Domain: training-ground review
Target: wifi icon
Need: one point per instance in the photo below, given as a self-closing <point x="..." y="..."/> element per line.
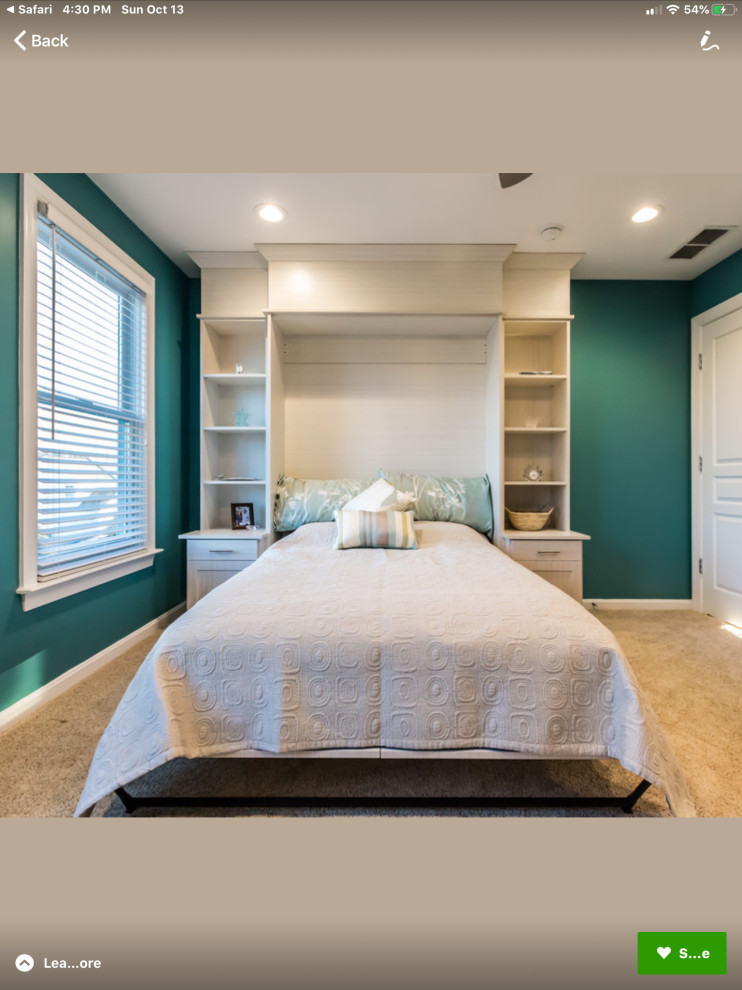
<point x="673" y="8"/>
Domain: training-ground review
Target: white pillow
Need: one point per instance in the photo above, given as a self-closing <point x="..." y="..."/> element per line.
<point x="380" y="497"/>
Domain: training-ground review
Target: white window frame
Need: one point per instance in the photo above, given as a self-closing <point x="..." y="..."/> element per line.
<point x="34" y="592"/>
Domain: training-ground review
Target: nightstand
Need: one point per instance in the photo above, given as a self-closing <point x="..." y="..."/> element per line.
<point x="555" y="555"/>
<point x="216" y="554"/>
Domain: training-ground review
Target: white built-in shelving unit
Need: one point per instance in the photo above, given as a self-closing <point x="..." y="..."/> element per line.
<point x="234" y="423"/>
<point x="535" y="435"/>
<point x="536" y="416"/>
<point x="234" y="399"/>
<point x="334" y="360"/>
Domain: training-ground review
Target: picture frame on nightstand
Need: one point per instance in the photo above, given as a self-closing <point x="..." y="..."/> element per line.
<point x="243" y="515"/>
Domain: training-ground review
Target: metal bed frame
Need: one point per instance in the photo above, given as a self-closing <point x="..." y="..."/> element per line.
<point x="625" y="803"/>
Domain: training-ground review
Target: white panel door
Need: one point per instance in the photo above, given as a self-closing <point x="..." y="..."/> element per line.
<point x="721" y="581"/>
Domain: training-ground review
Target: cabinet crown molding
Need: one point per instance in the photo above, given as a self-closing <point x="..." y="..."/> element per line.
<point x="541" y="261"/>
<point x="464" y="253"/>
<point x="228" y="259"/>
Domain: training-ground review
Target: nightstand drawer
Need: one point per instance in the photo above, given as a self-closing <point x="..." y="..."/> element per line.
<point x="223" y="549"/>
<point x="546" y="549"/>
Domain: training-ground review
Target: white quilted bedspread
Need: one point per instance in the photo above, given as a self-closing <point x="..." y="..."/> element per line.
<point x="451" y="646"/>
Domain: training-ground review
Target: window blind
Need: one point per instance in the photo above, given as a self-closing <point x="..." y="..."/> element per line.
<point x="91" y="407"/>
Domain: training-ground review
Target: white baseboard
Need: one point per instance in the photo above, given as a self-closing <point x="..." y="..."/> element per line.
<point x="659" y="604"/>
<point x="48" y="692"/>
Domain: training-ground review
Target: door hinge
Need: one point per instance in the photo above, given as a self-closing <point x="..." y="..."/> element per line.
<point x="700" y="362"/>
<point x="700" y="565"/>
<point x="700" y="463"/>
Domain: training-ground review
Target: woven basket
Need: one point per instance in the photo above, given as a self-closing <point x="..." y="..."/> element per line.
<point x="529" y="520"/>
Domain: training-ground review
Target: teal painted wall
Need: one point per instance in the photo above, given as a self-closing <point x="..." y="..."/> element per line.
<point x="39" y="645"/>
<point x="630" y="438"/>
<point x="717" y="284"/>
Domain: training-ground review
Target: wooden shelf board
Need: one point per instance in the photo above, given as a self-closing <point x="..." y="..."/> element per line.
<point x="234" y="429"/>
<point x="224" y="534"/>
<point x="234" y="379"/>
<point x="543" y="534"/>
<point x="526" y="380"/>
<point x="236" y="481"/>
<point x="535" y="429"/>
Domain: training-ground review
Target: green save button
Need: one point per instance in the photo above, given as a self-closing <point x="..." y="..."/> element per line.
<point x="682" y="952"/>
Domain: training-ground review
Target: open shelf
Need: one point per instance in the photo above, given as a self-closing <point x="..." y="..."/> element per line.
<point x="537" y="497"/>
<point x="217" y="499"/>
<point x="231" y="326"/>
<point x="536" y="346"/>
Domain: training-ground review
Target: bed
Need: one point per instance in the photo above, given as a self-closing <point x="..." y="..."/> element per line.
<point x="449" y="647"/>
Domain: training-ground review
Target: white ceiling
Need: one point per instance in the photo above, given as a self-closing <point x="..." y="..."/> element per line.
<point x="184" y="212"/>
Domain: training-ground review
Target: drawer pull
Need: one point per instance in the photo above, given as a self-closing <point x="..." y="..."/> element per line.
<point x="548" y="553"/>
<point x="221" y="551"/>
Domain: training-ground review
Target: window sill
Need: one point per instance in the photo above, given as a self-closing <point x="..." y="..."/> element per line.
<point x="44" y="592"/>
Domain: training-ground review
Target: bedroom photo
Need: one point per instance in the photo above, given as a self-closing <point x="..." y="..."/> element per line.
<point x="371" y="430"/>
<point x="371" y="494"/>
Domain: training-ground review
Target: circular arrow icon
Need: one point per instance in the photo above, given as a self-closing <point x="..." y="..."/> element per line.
<point x="24" y="963"/>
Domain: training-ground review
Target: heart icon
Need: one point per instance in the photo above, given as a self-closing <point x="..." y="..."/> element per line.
<point x="664" y="952"/>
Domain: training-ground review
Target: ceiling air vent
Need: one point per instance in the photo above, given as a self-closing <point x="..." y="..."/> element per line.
<point x="702" y="240"/>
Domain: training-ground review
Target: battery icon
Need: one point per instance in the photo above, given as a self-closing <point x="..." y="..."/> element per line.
<point x="723" y="9"/>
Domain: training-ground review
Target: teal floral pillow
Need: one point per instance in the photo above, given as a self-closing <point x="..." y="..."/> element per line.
<point x="302" y="500"/>
<point x="458" y="500"/>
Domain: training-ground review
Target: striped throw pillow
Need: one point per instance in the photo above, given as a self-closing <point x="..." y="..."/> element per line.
<point x="390" y="530"/>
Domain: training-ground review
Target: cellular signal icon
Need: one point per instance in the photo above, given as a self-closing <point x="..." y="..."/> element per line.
<point x="673" y="8"/>
<point x="651" y="11"/>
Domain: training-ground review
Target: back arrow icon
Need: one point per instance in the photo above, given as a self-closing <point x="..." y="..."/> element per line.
<point x="19" y="42"/>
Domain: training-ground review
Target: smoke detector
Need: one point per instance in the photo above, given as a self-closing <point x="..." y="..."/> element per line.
<point x="551" y="232"/>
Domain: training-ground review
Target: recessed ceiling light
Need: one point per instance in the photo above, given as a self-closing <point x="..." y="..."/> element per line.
<point x="646" y="213"/>
<point x="270" y="212"/>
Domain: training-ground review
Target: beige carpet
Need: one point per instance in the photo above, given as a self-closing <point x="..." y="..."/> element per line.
<point x="690" y="669"/>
